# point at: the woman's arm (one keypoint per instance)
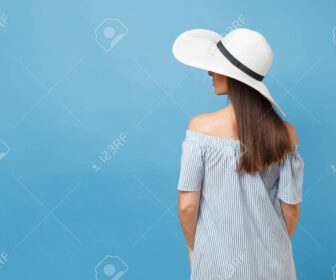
(291, 213)
(188, 205)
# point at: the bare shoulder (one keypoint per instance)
(216, 123)
(199, 122)
(292, 132)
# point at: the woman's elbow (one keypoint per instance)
(188, 202)
(187, 207)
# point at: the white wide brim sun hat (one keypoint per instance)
(242, 54)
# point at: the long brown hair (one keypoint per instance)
(264, 136)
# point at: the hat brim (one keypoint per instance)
(197, 48)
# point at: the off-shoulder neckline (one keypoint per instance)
(208, 138)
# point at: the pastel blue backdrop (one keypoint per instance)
(91, 137)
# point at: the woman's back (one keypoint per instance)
(241, 232)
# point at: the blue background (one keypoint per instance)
(67, 104)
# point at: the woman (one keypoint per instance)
(241, 175)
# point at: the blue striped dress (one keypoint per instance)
(240, 232)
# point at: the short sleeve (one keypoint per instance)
(191, 165)
(291, 177)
